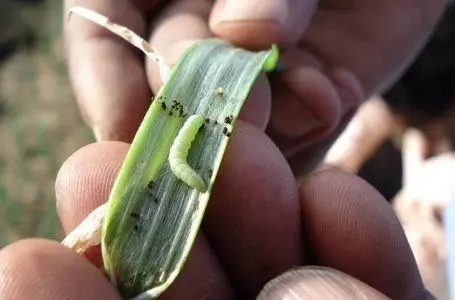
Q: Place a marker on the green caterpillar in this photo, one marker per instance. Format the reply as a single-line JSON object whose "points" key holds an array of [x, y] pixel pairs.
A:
{"points": [[179, 152]]}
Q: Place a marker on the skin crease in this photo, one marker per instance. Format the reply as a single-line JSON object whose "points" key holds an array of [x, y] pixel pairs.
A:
{"points": [[334, 56]]}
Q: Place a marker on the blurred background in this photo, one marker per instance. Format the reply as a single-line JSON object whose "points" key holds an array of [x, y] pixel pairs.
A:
{"points": [[401, 142], [40, 125]]}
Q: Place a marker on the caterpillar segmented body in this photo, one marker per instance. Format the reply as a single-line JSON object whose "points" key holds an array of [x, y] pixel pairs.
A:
{"points": [[179, 152]]}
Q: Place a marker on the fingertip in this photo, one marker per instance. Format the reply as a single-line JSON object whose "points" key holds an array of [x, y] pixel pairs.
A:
{"points": [[317, 283], [85, 180], [306, 110], [352, 228], [42, 269]]}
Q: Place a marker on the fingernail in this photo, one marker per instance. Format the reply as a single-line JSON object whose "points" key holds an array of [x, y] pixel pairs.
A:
{"points": [[310, 283], [248, 10]]}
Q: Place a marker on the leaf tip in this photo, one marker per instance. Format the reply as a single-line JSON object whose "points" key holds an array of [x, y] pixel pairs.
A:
{"points": [[272, 60]]}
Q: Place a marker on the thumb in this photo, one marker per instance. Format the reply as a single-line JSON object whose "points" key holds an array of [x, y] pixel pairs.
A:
{"points": [[256, 24], [318, 283]]}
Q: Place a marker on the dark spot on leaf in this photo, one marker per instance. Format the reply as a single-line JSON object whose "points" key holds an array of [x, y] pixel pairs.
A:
{"points": [[135, 215]]}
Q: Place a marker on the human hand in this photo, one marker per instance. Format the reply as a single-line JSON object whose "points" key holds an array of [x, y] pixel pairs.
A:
{"points": [[240, 236], [258, 224], [420, 205], [335, 54]]}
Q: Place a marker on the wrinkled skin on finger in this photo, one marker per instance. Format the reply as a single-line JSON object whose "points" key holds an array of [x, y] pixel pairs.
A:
{"points": [[261, 224], [251, 234]]}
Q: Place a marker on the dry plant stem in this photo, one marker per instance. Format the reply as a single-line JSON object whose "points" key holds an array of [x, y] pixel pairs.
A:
{"points": [[88, 233], [371, 126], [126, 34]]}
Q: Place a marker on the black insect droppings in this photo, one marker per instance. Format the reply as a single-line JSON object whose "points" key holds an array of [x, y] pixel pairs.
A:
{"points": [[207, 120], [228, 134], [136, 227], [135, 215], [225, 130], [201, 128], [229, 119], [163, 105], [170, 113], [149, 189]]}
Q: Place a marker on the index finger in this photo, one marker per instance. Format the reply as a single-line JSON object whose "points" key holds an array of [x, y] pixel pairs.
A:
{"points": [[106, 73]]}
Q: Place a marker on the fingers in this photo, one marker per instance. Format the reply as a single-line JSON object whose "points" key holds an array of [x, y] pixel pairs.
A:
{"points": [[343, 66], [85, 181], [257, 24], [311, 103], [39, 269], [259, 219], [106, 73], [318, 283], [351, 228], [370, 38], [370, 127], [181, 24], [253, 221]]}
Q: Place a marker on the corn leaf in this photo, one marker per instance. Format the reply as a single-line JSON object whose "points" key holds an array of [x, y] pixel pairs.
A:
{"points": [[153, 217]]}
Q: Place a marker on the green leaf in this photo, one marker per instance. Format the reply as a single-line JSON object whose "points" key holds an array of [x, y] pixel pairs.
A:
{"points": [[153, 217]]}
